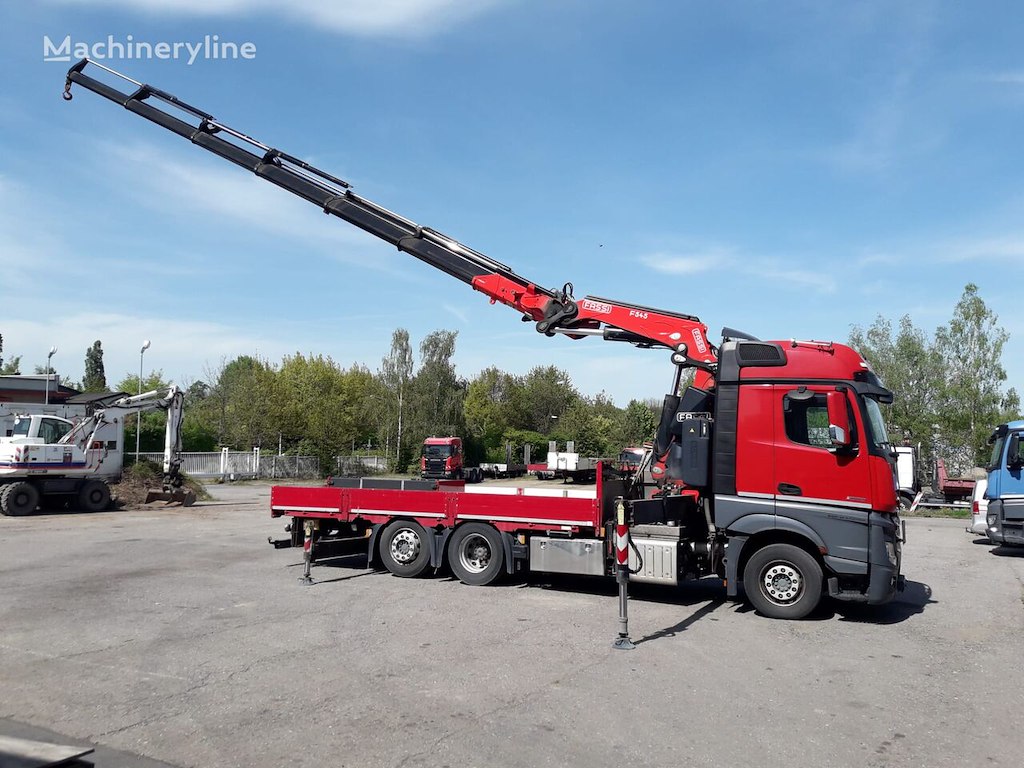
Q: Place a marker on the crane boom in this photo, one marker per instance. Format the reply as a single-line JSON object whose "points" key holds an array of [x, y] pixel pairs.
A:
{"points": [[553, 310]]}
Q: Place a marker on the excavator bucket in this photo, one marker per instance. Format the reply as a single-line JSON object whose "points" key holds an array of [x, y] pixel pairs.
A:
{"points": [[184, 496]]}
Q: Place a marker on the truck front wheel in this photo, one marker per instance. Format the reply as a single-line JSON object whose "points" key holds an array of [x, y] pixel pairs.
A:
{"points": [[404, 548], [476, 554], [19, 499], [782, 581]]}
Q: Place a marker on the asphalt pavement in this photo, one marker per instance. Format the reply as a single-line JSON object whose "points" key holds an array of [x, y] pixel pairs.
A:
{"points": [[181, 636]]}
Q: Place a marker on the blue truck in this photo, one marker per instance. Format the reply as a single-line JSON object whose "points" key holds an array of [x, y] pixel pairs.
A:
{"points": [[1005, 492]]}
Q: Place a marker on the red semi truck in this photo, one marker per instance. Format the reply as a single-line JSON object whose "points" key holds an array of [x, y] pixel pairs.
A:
{"points": [[442, 458], [772, 470]]}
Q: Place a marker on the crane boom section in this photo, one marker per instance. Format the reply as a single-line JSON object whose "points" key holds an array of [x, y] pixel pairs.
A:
{"points": [[553, 311]]}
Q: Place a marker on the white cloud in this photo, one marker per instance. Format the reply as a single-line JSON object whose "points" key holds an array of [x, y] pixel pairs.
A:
{"points": [[1007, 78], [722, 258], [220, 193], [689, 264], [458, 312], [403, 18], [1008, 248]]}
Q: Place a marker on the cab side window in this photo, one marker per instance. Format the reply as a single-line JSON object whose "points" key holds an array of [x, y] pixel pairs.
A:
{"points": [[806, 418], [52, 431]]}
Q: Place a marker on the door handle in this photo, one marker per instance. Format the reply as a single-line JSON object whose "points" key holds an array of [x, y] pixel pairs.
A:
{"points": [[788, 489]]}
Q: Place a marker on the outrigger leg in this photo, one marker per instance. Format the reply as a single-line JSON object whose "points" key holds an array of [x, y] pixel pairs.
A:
{"points": [[622, 642]]}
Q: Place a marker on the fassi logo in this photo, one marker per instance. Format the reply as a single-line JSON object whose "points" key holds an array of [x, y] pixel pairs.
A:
{"points": [[597, 306], [699, 341]]}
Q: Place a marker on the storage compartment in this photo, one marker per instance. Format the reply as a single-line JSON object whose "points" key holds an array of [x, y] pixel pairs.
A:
{"points": [[660, 559], [580, 556]]}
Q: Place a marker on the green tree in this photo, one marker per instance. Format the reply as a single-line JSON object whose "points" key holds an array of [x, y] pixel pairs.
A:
{"points": [[489, 410], [972, 399], [325, 407], [909, 364], [593, 432], [394, 376], [13, 366], [545, 395], [95, 379], [248, 399], [639, 423], [437, 393]]}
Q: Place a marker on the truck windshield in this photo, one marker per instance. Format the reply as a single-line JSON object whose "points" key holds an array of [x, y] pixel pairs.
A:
{"points": [[997, 453], [877, 433], [437, 451]]}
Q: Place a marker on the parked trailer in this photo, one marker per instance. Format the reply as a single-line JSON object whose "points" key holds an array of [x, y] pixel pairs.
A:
{"points": [[480, 532]]}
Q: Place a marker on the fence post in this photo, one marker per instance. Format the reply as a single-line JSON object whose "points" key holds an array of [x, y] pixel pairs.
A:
{"points": [[223, 463], [256, 462]]}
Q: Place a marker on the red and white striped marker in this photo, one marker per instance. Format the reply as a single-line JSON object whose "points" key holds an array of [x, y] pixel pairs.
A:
{"points": [[622, 642]]}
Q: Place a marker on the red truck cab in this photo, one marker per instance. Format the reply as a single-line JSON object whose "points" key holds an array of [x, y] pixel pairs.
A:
{"points": [[442, 458]]}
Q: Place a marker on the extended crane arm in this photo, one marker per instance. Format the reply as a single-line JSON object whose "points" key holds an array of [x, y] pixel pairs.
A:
{"points": [[553, 311]]}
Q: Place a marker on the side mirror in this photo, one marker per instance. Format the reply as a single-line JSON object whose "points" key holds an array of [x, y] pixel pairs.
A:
{"points": [[838, 420], [1013, 457]]}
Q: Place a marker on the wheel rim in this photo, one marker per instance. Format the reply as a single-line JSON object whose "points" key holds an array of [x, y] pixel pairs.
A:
{"points": [[782, 583], [475, 553], [405, 546]]}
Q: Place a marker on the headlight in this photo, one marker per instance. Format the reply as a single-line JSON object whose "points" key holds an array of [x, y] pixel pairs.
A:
{"points": [[890, 549], [990, 519]]}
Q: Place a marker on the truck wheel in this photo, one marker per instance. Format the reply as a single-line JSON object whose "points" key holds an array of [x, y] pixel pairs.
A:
{"points": [[476, 554], [404, 548], [906, 501], [19, 499], [783, 581], [94, 496]]}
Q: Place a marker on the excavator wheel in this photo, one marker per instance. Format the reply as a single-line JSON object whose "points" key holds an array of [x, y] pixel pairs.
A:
{"points": [[94, 496], [19, 499]]}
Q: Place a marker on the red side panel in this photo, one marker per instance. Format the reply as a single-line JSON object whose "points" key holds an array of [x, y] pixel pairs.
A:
{"points": [[507, 511], [298, 501], [755, 440]]}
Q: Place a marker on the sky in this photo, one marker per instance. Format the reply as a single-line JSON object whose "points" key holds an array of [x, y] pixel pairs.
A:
{"points": [[790, 169]]}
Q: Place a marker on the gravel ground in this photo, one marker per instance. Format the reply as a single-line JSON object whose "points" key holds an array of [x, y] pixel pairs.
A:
{"points": [[180, 635]]}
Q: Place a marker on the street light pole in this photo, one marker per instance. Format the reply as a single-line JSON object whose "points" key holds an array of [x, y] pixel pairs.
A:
{"points": [[46, 397], [138, 416]]}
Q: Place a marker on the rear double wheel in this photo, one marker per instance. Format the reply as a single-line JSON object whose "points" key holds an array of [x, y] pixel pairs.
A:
{"points": [[405, 549], [476, 554]]}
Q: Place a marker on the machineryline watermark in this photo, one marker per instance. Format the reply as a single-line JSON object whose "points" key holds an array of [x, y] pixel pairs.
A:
{"points": [[210, 48]]}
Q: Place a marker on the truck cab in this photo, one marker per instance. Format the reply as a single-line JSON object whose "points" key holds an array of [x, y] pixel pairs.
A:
{"points": [[441, 458], [1005, 493], [38, 430]]}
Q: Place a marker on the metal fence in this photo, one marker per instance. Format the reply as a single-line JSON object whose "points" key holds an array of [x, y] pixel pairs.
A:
{"points": [[242, 465]]}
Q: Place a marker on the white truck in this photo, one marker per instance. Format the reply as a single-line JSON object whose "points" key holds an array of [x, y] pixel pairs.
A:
{"points": [[49, 457], [570, 465], [9, 412]]}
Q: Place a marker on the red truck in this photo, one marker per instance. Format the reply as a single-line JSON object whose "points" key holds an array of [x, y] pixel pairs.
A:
{"points": [[773, 470], [442, 458]]}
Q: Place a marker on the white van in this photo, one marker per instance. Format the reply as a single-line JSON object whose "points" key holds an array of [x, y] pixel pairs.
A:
{"points": [[979, 509]]}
